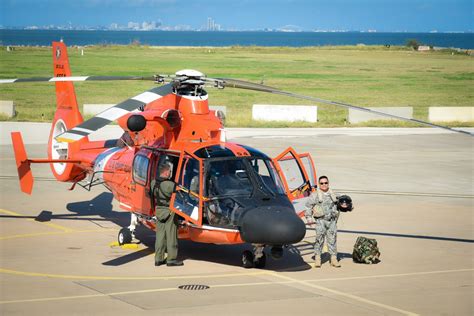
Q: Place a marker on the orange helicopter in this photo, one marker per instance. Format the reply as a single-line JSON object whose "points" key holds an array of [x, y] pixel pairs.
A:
{"points": [[226, 193]]}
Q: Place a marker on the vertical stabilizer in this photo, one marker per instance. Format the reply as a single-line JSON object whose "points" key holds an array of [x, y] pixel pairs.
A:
{"points": [[65, 94], [66, 117]]}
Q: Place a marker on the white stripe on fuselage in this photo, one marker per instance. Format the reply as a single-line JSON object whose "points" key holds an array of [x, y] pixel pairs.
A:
{"points": [[80, 129], [102, 160], [70, 136], [207, 227]]}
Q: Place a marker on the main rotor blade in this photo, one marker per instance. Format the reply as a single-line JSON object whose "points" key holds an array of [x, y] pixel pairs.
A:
{"points": [[75, 78], [111, 114], [240, 84], [257, 87]]}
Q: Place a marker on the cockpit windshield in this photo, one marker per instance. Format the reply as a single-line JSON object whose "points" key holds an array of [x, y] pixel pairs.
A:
{"points": [[229, 180], [232, 177]]}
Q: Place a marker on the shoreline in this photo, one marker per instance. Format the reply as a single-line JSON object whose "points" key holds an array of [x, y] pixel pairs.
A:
{"points": [[214, 39], [360, 47]]}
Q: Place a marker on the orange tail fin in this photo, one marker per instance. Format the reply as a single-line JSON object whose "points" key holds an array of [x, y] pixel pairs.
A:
{"points": [[65, 93], [66, 117]]}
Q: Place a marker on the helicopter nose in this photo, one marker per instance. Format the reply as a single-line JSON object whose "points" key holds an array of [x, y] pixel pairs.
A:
{"points": [[271, 226]]}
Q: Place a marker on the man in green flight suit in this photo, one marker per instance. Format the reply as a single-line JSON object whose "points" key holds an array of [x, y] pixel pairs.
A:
{"points": [[166, 220]]}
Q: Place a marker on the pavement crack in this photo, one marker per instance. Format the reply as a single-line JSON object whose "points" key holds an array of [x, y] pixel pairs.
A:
{"points": [[108, 295]]}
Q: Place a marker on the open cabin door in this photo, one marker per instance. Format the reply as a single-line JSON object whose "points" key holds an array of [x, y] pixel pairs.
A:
{"points": [[297, 180], [308, 165], [187, 200]]}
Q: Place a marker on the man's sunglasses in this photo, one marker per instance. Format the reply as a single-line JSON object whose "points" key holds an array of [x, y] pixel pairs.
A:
{"points": [[323, 183]]}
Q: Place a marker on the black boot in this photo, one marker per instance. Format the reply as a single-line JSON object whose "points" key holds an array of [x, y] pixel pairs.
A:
{"points": [[174, 263]]}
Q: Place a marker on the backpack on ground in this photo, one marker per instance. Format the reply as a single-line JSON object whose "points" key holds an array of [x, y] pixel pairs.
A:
{"points": [[366, 251]]}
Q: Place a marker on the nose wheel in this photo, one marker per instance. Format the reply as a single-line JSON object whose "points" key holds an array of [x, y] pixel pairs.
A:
{"points": [[256, 259], [247, 259], [124, 236]]}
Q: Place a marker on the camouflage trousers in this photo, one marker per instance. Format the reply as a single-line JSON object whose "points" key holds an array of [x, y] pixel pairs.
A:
{"points": [[325, 230]]}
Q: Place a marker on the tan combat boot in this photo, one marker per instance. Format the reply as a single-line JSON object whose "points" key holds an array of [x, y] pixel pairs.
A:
{"points": [[334, 262], [317, 261]]}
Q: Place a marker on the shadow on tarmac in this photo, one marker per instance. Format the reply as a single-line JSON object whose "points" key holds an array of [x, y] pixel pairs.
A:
{"points": [[229, 255], [406, 236], [344, 231], [101, 206], [292, 260]]}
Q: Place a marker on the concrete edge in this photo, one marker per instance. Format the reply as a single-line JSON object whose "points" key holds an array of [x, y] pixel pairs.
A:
{"points": [[38, 133]]}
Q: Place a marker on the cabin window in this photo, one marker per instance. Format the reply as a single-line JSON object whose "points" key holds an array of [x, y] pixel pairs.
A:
{"points": [[292, 172], [140, 169]]}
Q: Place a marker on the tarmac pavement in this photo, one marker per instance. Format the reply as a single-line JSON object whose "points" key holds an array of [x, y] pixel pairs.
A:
{"points": [[412, 191]]}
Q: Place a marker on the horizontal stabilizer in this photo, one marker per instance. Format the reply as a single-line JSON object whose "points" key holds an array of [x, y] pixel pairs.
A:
{"points": [[22, 163]]}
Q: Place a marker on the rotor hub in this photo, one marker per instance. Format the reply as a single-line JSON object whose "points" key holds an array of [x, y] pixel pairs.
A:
{"points": [[190, 73], [189, 83]]}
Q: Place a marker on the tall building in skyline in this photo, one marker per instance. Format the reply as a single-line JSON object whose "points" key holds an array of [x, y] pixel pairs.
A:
{"points": [[212, 25]]}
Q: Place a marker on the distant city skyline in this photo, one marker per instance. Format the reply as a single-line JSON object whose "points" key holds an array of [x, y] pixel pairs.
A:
{"points": [[214, 15]]}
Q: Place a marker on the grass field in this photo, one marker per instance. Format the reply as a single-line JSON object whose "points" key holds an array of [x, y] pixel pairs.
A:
{"points": [[363, 76]]}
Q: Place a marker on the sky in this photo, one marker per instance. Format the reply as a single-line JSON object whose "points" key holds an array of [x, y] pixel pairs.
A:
{"points": [[380, 15]]}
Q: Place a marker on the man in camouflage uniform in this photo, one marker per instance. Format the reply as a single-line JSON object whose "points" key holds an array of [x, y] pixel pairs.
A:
{"points": [[321, 205], [166, 221]]}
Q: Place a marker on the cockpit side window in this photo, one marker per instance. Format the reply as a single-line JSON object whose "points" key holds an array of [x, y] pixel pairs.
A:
{"points": [[140, 169]]}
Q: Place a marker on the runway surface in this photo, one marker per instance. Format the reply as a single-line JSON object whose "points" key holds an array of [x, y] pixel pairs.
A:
{"points": [[413, 192]]}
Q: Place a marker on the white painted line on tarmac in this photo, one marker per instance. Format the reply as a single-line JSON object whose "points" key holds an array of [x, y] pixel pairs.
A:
{"points": [[109, 278], [391, 275], [288, 280], [60, 298], [30, 235], [339, 293]]}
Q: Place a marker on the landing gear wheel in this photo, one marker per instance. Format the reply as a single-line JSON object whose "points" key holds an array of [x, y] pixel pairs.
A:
{"points": [[124, 236], [247, 259], [260, 262]]}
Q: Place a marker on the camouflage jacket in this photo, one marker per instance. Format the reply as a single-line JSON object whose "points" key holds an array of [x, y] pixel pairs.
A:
{"points": [[327, 202]]}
